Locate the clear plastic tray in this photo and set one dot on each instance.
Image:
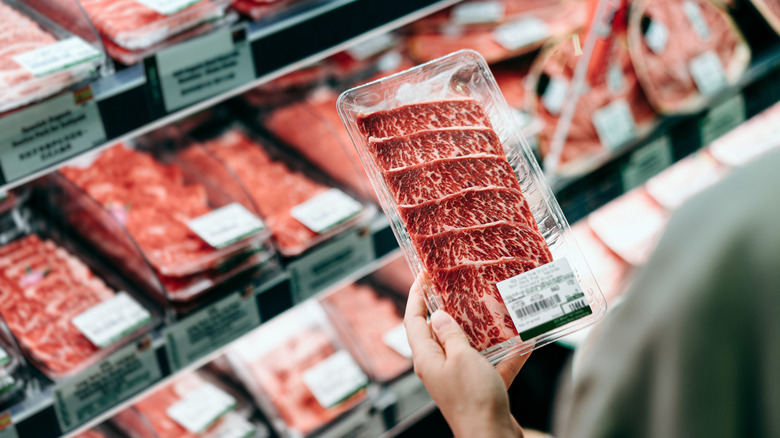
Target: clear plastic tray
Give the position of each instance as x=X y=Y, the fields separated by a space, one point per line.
x=465 y=75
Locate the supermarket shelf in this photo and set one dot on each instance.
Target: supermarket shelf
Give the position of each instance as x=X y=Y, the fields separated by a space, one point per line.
x=198 y=337
x=673 y=139
x=161 y=89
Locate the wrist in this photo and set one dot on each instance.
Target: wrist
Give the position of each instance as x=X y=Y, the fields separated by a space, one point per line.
x=491 y=424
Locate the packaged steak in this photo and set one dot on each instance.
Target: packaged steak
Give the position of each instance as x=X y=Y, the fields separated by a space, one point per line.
x=300 y=209
x=298 y=372
x=193 y=405
x=770 y=10
x=370 y=321
x=684 y=52
x=136 y=25
x=469 y=205
x=159 y=223
x=62 y=315
x=29 y=70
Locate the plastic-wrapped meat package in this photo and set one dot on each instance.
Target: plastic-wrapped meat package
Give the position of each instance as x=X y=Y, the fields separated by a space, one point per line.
x=365 y=318
x=42 y=288
x=684 y=52
x=609 y=269
x=274 y=363
x=133 y=25
x=630 y=225
x=749 y=140
x=689 y=176
x=770 y=10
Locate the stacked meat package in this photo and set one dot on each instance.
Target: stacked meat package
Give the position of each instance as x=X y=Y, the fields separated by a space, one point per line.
x=435 y=145
x=297 y=371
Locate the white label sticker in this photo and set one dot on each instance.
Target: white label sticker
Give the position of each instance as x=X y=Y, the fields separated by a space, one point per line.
x=708 y=74
x=647 y=162
x=58 y=56
x=326 y=210
x=396 y=339
x=168 y=7
x=201 y=408
x=555 y=94
x=544 y=299
x=4 y=358
x=521 y=33
x=233 y=425
x=657 y=36
x=372 y=46
x=335 y=379
x=615 y=78
x=694 y=15
x=109 y=321
x=226 y=225
x=478 y=12
x=722 y=118
x=614 y=124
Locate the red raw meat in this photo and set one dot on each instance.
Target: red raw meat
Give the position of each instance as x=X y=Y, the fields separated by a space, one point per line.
x=425 y=146
x=417 y=117
x=416 y=184
x=467 y=208
x=42 y=287
x=512 y=8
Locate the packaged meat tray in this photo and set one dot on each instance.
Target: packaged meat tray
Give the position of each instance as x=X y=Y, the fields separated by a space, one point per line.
x=193 y=405
x=300 y=211
x=29 y=69
x=371 y=324
x=158 y=223
x=684 y=52
x=298 y=372
x=469 y=205
x=63 y=317
x=136 y=25
x=689 y=176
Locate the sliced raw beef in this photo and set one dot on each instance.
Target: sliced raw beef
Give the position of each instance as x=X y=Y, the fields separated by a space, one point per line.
x=694 y=27
x=467 y=208
x=416 y=184
x=417 y=117
x=468 y=292
x=770 y=10
x=482 y=243
x=426 y=146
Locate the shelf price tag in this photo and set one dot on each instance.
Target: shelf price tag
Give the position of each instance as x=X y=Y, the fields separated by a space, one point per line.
x=58 y=56
x=326 y=210
x=647 y=162
x=106 y=384
x=201 y=408
x=396 y=339
x=111 y=320
x=721 y=119
x=614 y=124
x=49 y=132
x=226 y=225
x=202 y=67
x=211 y=328
x=708 y=74
x=7 y=428
x=478 y=12
x=335 y=379
x=168 y=7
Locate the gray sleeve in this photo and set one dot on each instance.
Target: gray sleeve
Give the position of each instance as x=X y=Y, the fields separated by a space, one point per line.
x=694 y=349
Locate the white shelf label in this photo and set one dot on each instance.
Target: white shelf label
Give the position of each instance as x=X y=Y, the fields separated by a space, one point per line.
x=58 y=56
x=335 y=379
x=46 y=133
x=168 y=7
x=372 y=46
x=555 y=94
x=615 y=78
x=708 y=74
x=111 y=320
x=7 y=428
x=478 y=12
x=396 y=339
x=647 y=162
x=226 y=225
x=521 y=33
x=233 y=425
x=544 y=299
x=722 y=118
x=326 y=210
x=201 y=408
x=657 y=36
x=614 y=124
x=4 y=358
x=694 y=15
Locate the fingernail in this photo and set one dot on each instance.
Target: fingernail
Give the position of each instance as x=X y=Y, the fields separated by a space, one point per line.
x=440 y=320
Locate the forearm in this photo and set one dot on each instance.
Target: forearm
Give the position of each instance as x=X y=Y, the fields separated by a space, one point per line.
x=499 y=426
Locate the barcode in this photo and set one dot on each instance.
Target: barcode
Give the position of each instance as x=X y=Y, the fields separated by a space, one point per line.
x=536 y=307
x=578 y=305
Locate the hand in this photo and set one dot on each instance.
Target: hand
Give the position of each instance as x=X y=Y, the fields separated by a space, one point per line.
x=470 y=393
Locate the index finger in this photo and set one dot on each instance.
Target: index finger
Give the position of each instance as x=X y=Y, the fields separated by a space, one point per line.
x=418 y=332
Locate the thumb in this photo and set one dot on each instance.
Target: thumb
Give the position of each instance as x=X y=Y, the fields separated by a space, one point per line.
x=448 y=332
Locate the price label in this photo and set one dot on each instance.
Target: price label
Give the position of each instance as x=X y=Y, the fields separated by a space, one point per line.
x=112 y=320
x=615 y=78
x=168 y=7
x=335 y=379
x=614 y=124
x=372 y=46
x=329 y=263
x=543 y=299
x=521 y=33
x=694 y=15
x=202 y=67
x=226 y=225
x=478 y=12
x=657 y=37
x=47 y=133
x=555 y=94
x=397 y=340
x=211 y=328
x=708 y=74
x=647 y=162
x=58 y=56
x=722 y=118
x=7 y=428
x=201 y=408
x=106 y=384
x=326 y=210
x=4 y=358
x=410 y=395
x=233 y=425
